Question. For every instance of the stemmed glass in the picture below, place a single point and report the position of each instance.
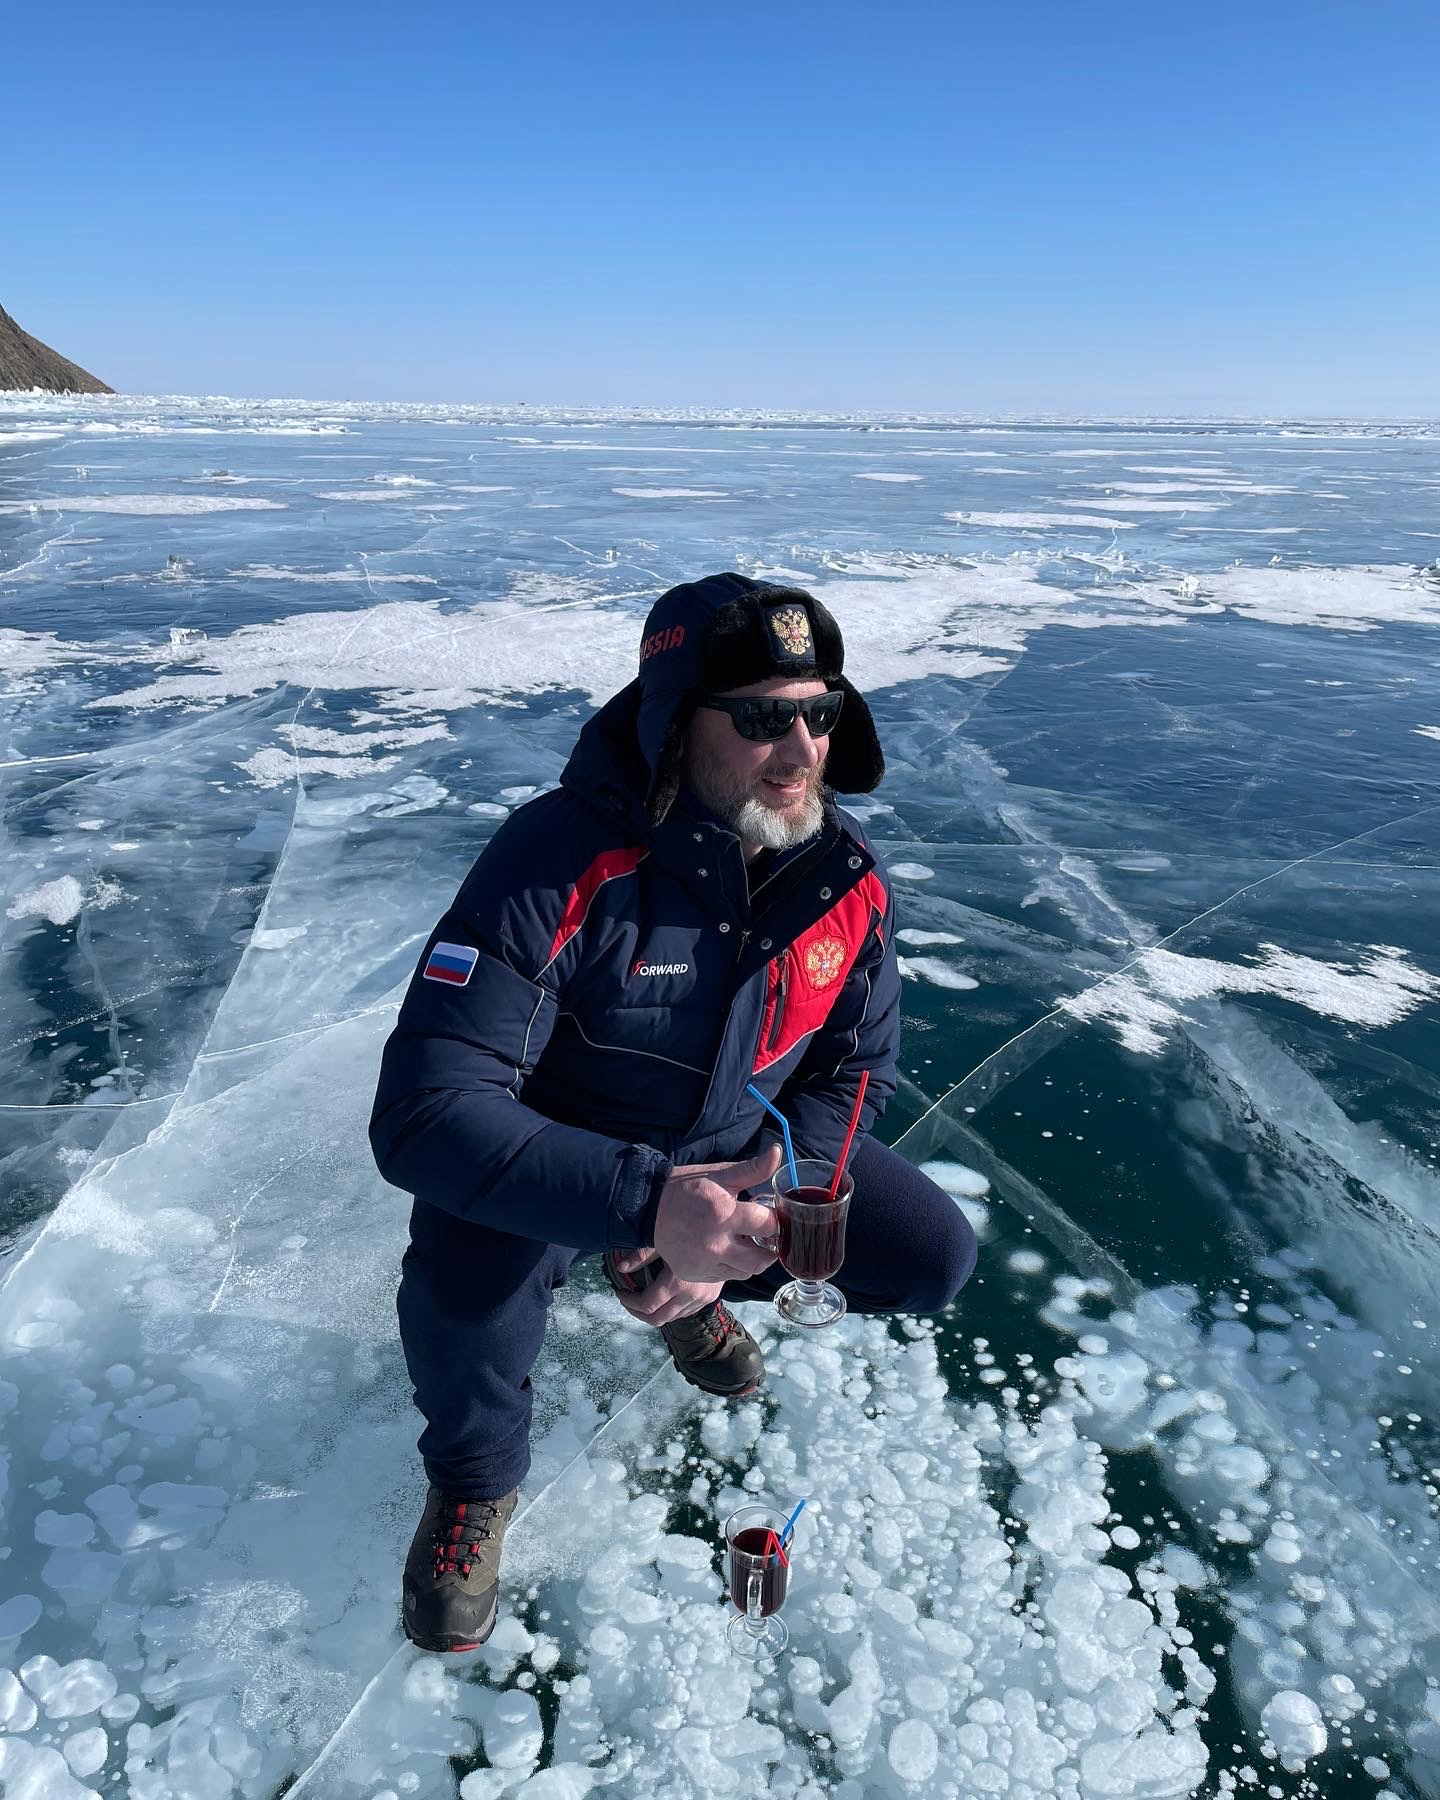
(758, 1572)
(809, 1239)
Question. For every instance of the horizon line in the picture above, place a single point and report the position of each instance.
(700, 412)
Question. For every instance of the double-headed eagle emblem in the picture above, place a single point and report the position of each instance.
(824, 960)
(791, 626)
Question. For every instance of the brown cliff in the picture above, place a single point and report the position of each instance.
(27, 363)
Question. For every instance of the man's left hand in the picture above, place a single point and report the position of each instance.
(668, 1297)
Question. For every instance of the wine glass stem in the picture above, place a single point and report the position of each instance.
(811, 1292)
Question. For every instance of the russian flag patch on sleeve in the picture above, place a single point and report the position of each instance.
(451, 962)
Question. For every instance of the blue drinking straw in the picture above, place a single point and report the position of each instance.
(790, 1526)
(750, 1088)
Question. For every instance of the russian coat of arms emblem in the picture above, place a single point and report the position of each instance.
(791, 625)
(824, 960)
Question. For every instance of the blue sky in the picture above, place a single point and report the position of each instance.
(1027, 207)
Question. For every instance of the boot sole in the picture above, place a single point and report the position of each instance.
(452, 1644)
(451, 1641)
(725, 1393)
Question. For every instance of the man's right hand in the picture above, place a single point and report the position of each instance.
(703, 1229)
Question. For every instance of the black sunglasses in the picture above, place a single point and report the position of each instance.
(759, 717)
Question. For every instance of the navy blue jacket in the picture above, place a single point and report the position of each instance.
(587, 1013)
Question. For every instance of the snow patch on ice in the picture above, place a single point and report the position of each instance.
(1380, 989)
(1156, 506)
(930, 968)
(149, 505)
(61, 900)
(957, 1178)
(329, 577)
(1036, 521)
(671, 493)
(377, 493)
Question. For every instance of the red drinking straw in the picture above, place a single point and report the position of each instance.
(850, 1134)
(773, 1546)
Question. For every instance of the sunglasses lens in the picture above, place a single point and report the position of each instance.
(824, 713)
(764, 720)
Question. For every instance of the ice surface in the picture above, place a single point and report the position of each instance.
(1160, 1485)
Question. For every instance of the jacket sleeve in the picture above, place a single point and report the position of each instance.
(862, 1031)
(450, 1124)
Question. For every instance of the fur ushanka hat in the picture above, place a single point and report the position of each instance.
(727, 631)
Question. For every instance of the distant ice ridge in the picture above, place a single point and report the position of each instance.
(962, 618)
(158, 412)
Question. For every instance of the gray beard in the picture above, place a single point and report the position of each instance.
(754, 823)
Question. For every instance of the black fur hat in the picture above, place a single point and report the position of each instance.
(727, 631)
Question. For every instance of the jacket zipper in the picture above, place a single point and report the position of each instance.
(780, 989)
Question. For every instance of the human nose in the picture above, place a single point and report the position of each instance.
(798, 742)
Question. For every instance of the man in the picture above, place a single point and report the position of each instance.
(687, 913)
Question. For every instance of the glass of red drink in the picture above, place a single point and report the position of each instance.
(809, 1239)
(757, 1569)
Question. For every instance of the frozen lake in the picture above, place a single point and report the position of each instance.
(1151, 1511)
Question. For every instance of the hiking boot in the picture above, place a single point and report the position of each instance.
(452, 1574)
(711, 1348)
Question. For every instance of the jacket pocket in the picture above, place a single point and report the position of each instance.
(781, 988)
(772, 1017)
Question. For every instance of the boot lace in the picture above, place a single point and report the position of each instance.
(459, 1530)
(716, 1321)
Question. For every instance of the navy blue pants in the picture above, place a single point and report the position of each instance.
(474, 1304)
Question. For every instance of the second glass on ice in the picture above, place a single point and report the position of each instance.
(758, 1574)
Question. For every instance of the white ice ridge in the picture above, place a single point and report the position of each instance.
(1153, 506)
(155, 415)
(156, 505)
(1037, 521)
(363, 577)
(1185, 487)
(1379, 988)
(670, 493)
(958, 619)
